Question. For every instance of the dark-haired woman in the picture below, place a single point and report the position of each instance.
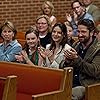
(54, 51)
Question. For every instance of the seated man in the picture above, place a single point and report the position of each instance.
(85, 59)
(79, 13)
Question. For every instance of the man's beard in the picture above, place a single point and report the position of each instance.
(86, 39)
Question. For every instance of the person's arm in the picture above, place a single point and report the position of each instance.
(26, 58)
(90, 68)
(10, 54)
(54, 21)
(73, 22)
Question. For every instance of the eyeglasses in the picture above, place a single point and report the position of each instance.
(41, 23)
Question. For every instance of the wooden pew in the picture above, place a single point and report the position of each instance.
(39, 83)
(93, 92)
(20, 35)
(22, 42)
(8, 88)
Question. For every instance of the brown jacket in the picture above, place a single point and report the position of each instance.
(90, 65)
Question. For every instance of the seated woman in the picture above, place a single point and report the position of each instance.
(54, 52)
(48, 9)
(43, 25)
(10, 46)
(30, 54)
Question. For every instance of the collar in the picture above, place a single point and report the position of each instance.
(12, 43)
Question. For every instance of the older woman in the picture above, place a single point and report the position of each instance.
(43, 25)
(10, 46)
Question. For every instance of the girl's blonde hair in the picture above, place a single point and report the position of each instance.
(49, 4)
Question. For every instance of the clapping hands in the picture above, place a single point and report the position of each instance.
(70, 54)
(45, 52)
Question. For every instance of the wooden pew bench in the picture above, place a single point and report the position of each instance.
(22, 42)
(20, 35)
(93, 92)
(39, 83)
(8, 88)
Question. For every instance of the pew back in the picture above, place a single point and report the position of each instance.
(93, 92)
(8, 88)
(20, 35)
(34, 80)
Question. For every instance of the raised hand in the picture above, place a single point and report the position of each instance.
(68, 17)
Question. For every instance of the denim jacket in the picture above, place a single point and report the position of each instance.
(7, 53)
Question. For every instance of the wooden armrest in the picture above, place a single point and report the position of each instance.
(64, 93)
(55, 95)
(9, 92)
(93, 92)
(3, 78)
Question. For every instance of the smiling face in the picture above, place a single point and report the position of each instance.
(32, 40)
(83, 34)
(57, 34)
(69, 31)
(47, 9)
(77, 8)
(7, 34)
(42, 25)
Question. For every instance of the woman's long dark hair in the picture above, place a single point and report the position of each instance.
(64, 34)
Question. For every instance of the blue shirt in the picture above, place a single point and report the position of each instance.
(74, 25)
(7, 53)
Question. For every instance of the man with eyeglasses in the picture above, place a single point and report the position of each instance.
(84, 58)
(79, 13)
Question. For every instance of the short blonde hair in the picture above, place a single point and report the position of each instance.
(47, 19)
(49, 4)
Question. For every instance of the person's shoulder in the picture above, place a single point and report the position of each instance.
(88, 16)
(93, 6)
(16, 43)
(52, 17)
(96, 43)
(1, 44)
